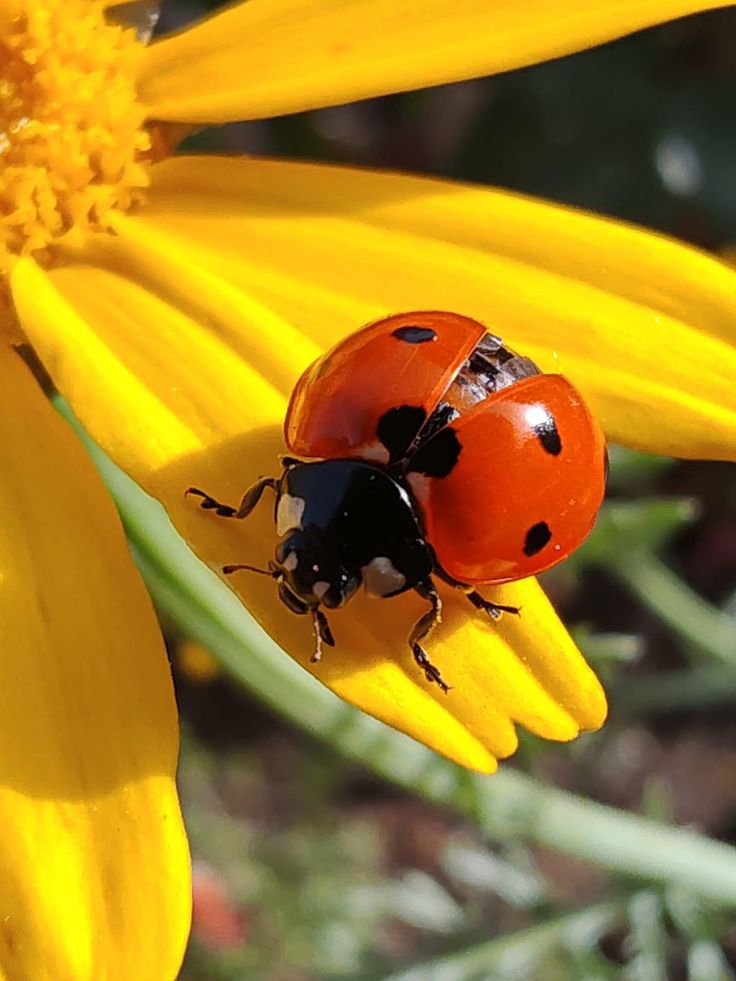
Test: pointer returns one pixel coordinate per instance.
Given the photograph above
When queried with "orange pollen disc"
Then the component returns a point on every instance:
(72, 142)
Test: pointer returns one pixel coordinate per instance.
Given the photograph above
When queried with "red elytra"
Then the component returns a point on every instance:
(526, 473)
(337, 403)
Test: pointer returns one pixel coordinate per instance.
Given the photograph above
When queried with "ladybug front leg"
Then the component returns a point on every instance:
(251, 497)
(423, 628)
(322, 632)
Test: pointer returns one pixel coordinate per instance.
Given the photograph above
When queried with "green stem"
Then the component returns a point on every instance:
(666, 595)
(696, 688)
(523, 950)
(506, 805)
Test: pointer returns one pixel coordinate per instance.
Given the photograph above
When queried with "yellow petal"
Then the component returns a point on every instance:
(95, 870)
(268, 57)
(176, 403)
(641, 323)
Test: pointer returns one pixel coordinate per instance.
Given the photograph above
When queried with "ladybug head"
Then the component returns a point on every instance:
(313, 572)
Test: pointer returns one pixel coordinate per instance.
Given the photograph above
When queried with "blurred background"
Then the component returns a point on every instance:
(309, 866)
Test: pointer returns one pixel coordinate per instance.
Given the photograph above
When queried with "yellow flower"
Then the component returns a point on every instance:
(174, 303)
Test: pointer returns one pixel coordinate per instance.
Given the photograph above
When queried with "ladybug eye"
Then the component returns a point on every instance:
(315, 567)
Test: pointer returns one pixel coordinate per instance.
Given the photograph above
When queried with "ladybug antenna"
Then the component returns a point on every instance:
(229, 569)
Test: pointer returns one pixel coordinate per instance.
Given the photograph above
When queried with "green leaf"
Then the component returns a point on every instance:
(707, 962)
(517, 955)
(646, 939)
(701, 687)
(610, 648)
(691, 617)
(626, 528)
(631, 469)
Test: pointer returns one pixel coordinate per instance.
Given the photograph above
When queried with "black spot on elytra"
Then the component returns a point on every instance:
(415, 335)
(546, 433)
(398, 428)
(536, 538)
(438, 456)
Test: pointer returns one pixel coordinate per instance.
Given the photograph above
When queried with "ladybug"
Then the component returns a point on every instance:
(422, 448)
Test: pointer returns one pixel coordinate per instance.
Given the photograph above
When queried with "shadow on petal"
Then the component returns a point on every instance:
(523, 669)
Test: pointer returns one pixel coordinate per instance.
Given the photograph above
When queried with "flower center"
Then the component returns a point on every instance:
(71, 132)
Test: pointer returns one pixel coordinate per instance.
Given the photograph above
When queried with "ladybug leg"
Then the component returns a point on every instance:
(423, 628)
(494, 610)
(322, 634)
(251, 497)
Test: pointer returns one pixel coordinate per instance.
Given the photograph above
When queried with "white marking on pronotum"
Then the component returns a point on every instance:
(289, 513)
(290, 562)
(320, 588)
(381, 577)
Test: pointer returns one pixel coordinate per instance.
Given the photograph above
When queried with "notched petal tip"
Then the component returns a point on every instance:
(524, 670)
(498, 674)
